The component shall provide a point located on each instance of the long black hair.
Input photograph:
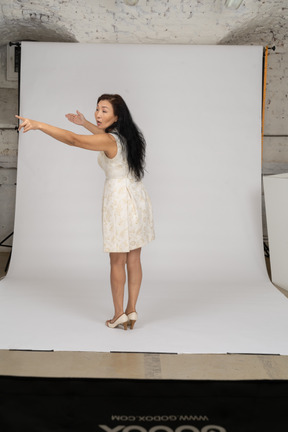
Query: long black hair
(130, 135)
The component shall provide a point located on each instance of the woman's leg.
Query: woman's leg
(134, 270)
(118, 279)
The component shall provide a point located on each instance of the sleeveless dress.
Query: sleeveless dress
(127, 219)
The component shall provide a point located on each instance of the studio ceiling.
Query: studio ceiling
(260, 22)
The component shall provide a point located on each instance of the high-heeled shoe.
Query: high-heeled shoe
(121, 320)
(132, 317)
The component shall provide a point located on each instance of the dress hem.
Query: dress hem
(127, 251)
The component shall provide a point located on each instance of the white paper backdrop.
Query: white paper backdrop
(200, 110)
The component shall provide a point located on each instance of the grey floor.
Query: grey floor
(141, 365)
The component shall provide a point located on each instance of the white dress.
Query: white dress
(127, 219)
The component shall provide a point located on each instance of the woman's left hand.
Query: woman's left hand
(27, 124)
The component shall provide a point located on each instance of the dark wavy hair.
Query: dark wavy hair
(130, 135)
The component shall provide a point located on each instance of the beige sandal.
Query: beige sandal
(121, 320)
(132, 317)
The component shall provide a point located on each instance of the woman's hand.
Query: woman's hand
(77, 118)
(27, 124)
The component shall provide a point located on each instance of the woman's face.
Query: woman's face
(104, 114)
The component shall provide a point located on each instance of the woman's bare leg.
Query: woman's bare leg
(118, 279)
(134, 270)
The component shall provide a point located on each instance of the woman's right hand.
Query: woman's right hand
(77, 118)
(27, 124)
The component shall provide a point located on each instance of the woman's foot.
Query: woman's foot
(132, 317)
(121, 320)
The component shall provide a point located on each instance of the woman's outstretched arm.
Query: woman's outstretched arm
(100, 142)
(79, 119)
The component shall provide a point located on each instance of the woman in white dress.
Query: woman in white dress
(127, 219)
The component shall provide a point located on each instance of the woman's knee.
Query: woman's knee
(134, 258)
(118, 259)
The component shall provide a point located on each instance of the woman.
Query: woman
(127, 214)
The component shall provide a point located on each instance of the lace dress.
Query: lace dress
(127, 219)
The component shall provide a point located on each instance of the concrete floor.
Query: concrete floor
(141, 365)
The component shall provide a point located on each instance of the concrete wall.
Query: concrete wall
(8, 148)
(275, 148)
